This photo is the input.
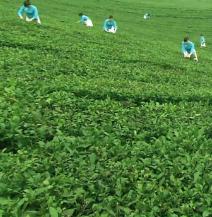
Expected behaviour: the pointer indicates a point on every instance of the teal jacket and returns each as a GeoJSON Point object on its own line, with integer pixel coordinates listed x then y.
{"type": "Point", "coordinates": [188, 47]}
{"type": "Point", "coordinates": [84, 18]}
{"type": "Point", "coordinates": [31, 11]}
{"type": "Point", "coordinates": [108, 24]}
{"type": "Point", "coordinates": [202, 39]}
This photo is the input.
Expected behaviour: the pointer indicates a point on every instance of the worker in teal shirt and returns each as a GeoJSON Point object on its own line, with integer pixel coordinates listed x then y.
{"type": "Point", "coordinates": [202, 41]}
{"type": "Point", "coordinates": [85, 20]}
{"type": "Point", "coordinates": [110, 25]}
{"type": "Point", "coordinates": [188, 49]}
{"type": "Point", "coordinates": [31, 12]}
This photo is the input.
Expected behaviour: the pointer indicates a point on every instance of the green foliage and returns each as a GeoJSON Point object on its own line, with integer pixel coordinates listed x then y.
{"type": "Point", "coordinates": [100, 125]}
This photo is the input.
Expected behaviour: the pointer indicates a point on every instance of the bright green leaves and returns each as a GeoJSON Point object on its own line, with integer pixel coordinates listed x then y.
{"type": "Point", "coordinates": [53, 212]}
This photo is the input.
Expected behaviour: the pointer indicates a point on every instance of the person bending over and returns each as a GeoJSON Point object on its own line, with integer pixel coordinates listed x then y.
{"type": "Point", "coordinates": [110, 25]}
{"type": "Point", "coordinates": [147, 16]}
{"type": "Point", "coordinates": [85, 20]}
{"type": "Point", "coordinates": [30, 11]}
{"type": "Point", "coordinates": [188, 49]}
{"type": "Point", "coordinates": [202, 41]}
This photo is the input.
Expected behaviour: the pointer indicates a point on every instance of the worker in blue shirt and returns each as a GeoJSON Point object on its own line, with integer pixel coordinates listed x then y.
{"type": "Point", "coordinates": [85, 20]}
{"type": "Point", "coordinates": [31, 12]}
{"type": "Point", "coordinates": [110, 25]}
{"type": "Point", "coordinates": [188, 49]}
{"type": "Point", "coordinates": [202, 41]}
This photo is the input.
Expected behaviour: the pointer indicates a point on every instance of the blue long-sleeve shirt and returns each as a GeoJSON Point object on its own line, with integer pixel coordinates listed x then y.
{"type": "Point", "coordinates": [84, 18]}
{"type": "Point", "coordinates": [202, 39]}
{"type": "Point", "coordinates": [108, 24]}
{"type": "Point", "coordinates": [31, 11]}
{"type": "Point", "coordinates": [188, 47]}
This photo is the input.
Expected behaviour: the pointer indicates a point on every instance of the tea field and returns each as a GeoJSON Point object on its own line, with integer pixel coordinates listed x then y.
{"type": "Point", "coordinates": [105, 125]}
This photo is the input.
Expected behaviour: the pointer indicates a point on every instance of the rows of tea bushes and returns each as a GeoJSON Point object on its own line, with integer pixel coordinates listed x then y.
{"type": "Point", "coordinates": [100, 125]}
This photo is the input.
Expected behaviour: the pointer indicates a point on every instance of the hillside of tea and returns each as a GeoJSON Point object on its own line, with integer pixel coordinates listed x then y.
{"type": "Point", "coordinates": [94, 124]}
